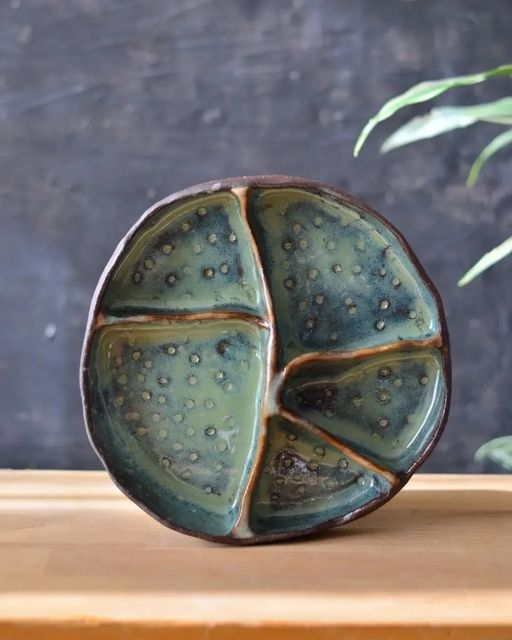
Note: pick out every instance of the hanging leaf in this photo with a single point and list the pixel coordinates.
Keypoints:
(500, 141)
(443, 119)
(486, 261)
(498, 450)
(421, 93)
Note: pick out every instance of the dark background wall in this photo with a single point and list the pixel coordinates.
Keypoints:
(109, 105)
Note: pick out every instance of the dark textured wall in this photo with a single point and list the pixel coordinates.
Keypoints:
(109, 105)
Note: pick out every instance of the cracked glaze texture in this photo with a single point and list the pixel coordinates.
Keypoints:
(264, 358)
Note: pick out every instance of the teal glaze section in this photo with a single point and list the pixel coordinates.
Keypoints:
(339, 279)
(386, 407)
(306, 482)
(176, 412)
(192, 255)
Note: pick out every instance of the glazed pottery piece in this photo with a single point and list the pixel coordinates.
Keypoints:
(264, 358)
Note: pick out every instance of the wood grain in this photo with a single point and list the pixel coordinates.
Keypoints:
(78, 560)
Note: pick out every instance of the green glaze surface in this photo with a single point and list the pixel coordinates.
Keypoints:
(177, 408)
(385, 406)
(338, 279)
(306, 481)
(264, 358)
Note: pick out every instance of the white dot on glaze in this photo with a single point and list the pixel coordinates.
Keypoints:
(296, 228)
(185, 226)
(397, 382)
(319, 299)
(212, 238)
(313, 274)
(197, 248)
(178, 417)
(382, 272)
(319, 451)
(122, 379)
(156, 417)
(177, 446)
(146, 395)
(318, 221)
(380, 325)
(348, 301)
(136, 355)
(412, 314)
(137, 277)
(310, 323)
(190, 404)
(384, 304)
(209, 404)
(357, 401)
(171, 350)
(287, 245)
(352, 310)
(192, 380)
(119, 400)
(149, 263)
(162, 399)
(383, 396)
(395, 282)
(423, 380)
(224, 268)
(303, 244)
(195, 358)
(343, 463)
(336, 268)
(201, 211)
(232, 237)
(171, 279)
(383, 423)
(208, 272)
(303, 305)
(191, 431)
(208, 489)
(167, 249)
(148, 364)
(289, 283)
(210, 431)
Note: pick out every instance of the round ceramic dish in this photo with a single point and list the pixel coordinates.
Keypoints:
(264, 358)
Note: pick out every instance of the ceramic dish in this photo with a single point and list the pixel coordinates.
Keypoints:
(264, 358)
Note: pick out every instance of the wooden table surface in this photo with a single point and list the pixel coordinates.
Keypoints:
(79, 560)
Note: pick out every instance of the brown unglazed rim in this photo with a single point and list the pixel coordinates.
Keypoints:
(239, 186)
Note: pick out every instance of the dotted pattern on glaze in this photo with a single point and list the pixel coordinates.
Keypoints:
(184, 399)
(306, 481)
(386, 406)
(178, 409)
(339, 281)
(189, 257)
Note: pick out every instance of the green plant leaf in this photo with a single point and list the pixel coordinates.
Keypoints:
(421, 93)
(498, 450)
(443, 119)
(500, 141)
(486, 261)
